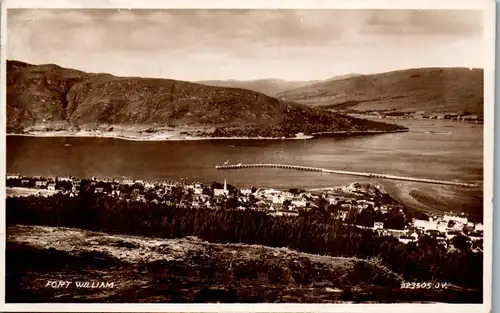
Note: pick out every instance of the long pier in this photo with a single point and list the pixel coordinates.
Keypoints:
(323, 170)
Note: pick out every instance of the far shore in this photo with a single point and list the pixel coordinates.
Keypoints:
(175, 136)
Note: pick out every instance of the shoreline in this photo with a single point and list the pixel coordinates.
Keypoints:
(150, 138)
(176, 137)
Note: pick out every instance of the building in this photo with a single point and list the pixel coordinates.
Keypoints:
(41, 183)
(221, 192)
(378, 225)
(331, 200)
(475, 237)
(442, 226)
(406, 239)
(198, 190)
(299, 203)
(278, 199)
(459, 219)
(280, 212)
(246, 192)
(51, 187)
(425, 225)
(478, 227)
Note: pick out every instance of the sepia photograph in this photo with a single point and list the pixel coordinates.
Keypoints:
(247, 155)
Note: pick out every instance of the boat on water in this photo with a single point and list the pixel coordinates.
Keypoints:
(436, 132)
(67, 145)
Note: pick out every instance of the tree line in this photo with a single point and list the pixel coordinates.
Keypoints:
(310, 232)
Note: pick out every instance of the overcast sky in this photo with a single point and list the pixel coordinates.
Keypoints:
(245, 44)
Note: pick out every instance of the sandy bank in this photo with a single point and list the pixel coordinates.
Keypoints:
(163, 136)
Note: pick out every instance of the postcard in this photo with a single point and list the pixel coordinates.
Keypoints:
(232, 156)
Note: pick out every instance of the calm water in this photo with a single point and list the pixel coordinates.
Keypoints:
(454, 156)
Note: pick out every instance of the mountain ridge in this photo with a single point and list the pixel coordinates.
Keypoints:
(433, 89)
(268, 86)
(50, 94)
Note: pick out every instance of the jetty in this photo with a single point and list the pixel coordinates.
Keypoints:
(340, 172)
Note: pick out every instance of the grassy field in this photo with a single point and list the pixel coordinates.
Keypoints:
(25, 192)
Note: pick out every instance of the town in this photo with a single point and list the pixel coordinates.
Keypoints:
(418, 115)
(365, 206)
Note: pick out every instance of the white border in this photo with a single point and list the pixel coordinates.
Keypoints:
(487, 6)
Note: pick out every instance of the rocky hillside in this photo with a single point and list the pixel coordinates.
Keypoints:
(49, 94)
(423, 89)
(270, 86)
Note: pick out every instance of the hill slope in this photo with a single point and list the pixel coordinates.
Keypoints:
(49, 94)
(423, 89)
(270, 87)
(143, 269)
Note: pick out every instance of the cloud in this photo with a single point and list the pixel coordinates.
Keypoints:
(262, 42)
(429, 22)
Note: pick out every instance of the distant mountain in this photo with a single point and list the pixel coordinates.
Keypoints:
(422, 89)
(38, 94)
(338, 77)
(269, 86)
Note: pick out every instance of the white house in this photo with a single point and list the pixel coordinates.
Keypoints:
(197, 188)
(342, 215)
(41, 183)
(331, 201)
(458, 226)
(246, 192)
(478, 227)
(442, 226)
(425, 225)
(460, 219)
(51, 187)
(278, 199)
(475, 238)
(378, 225)
(299, 203)
(198, 191)
(272, 192)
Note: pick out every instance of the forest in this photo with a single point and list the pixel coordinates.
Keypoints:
(311, 232)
